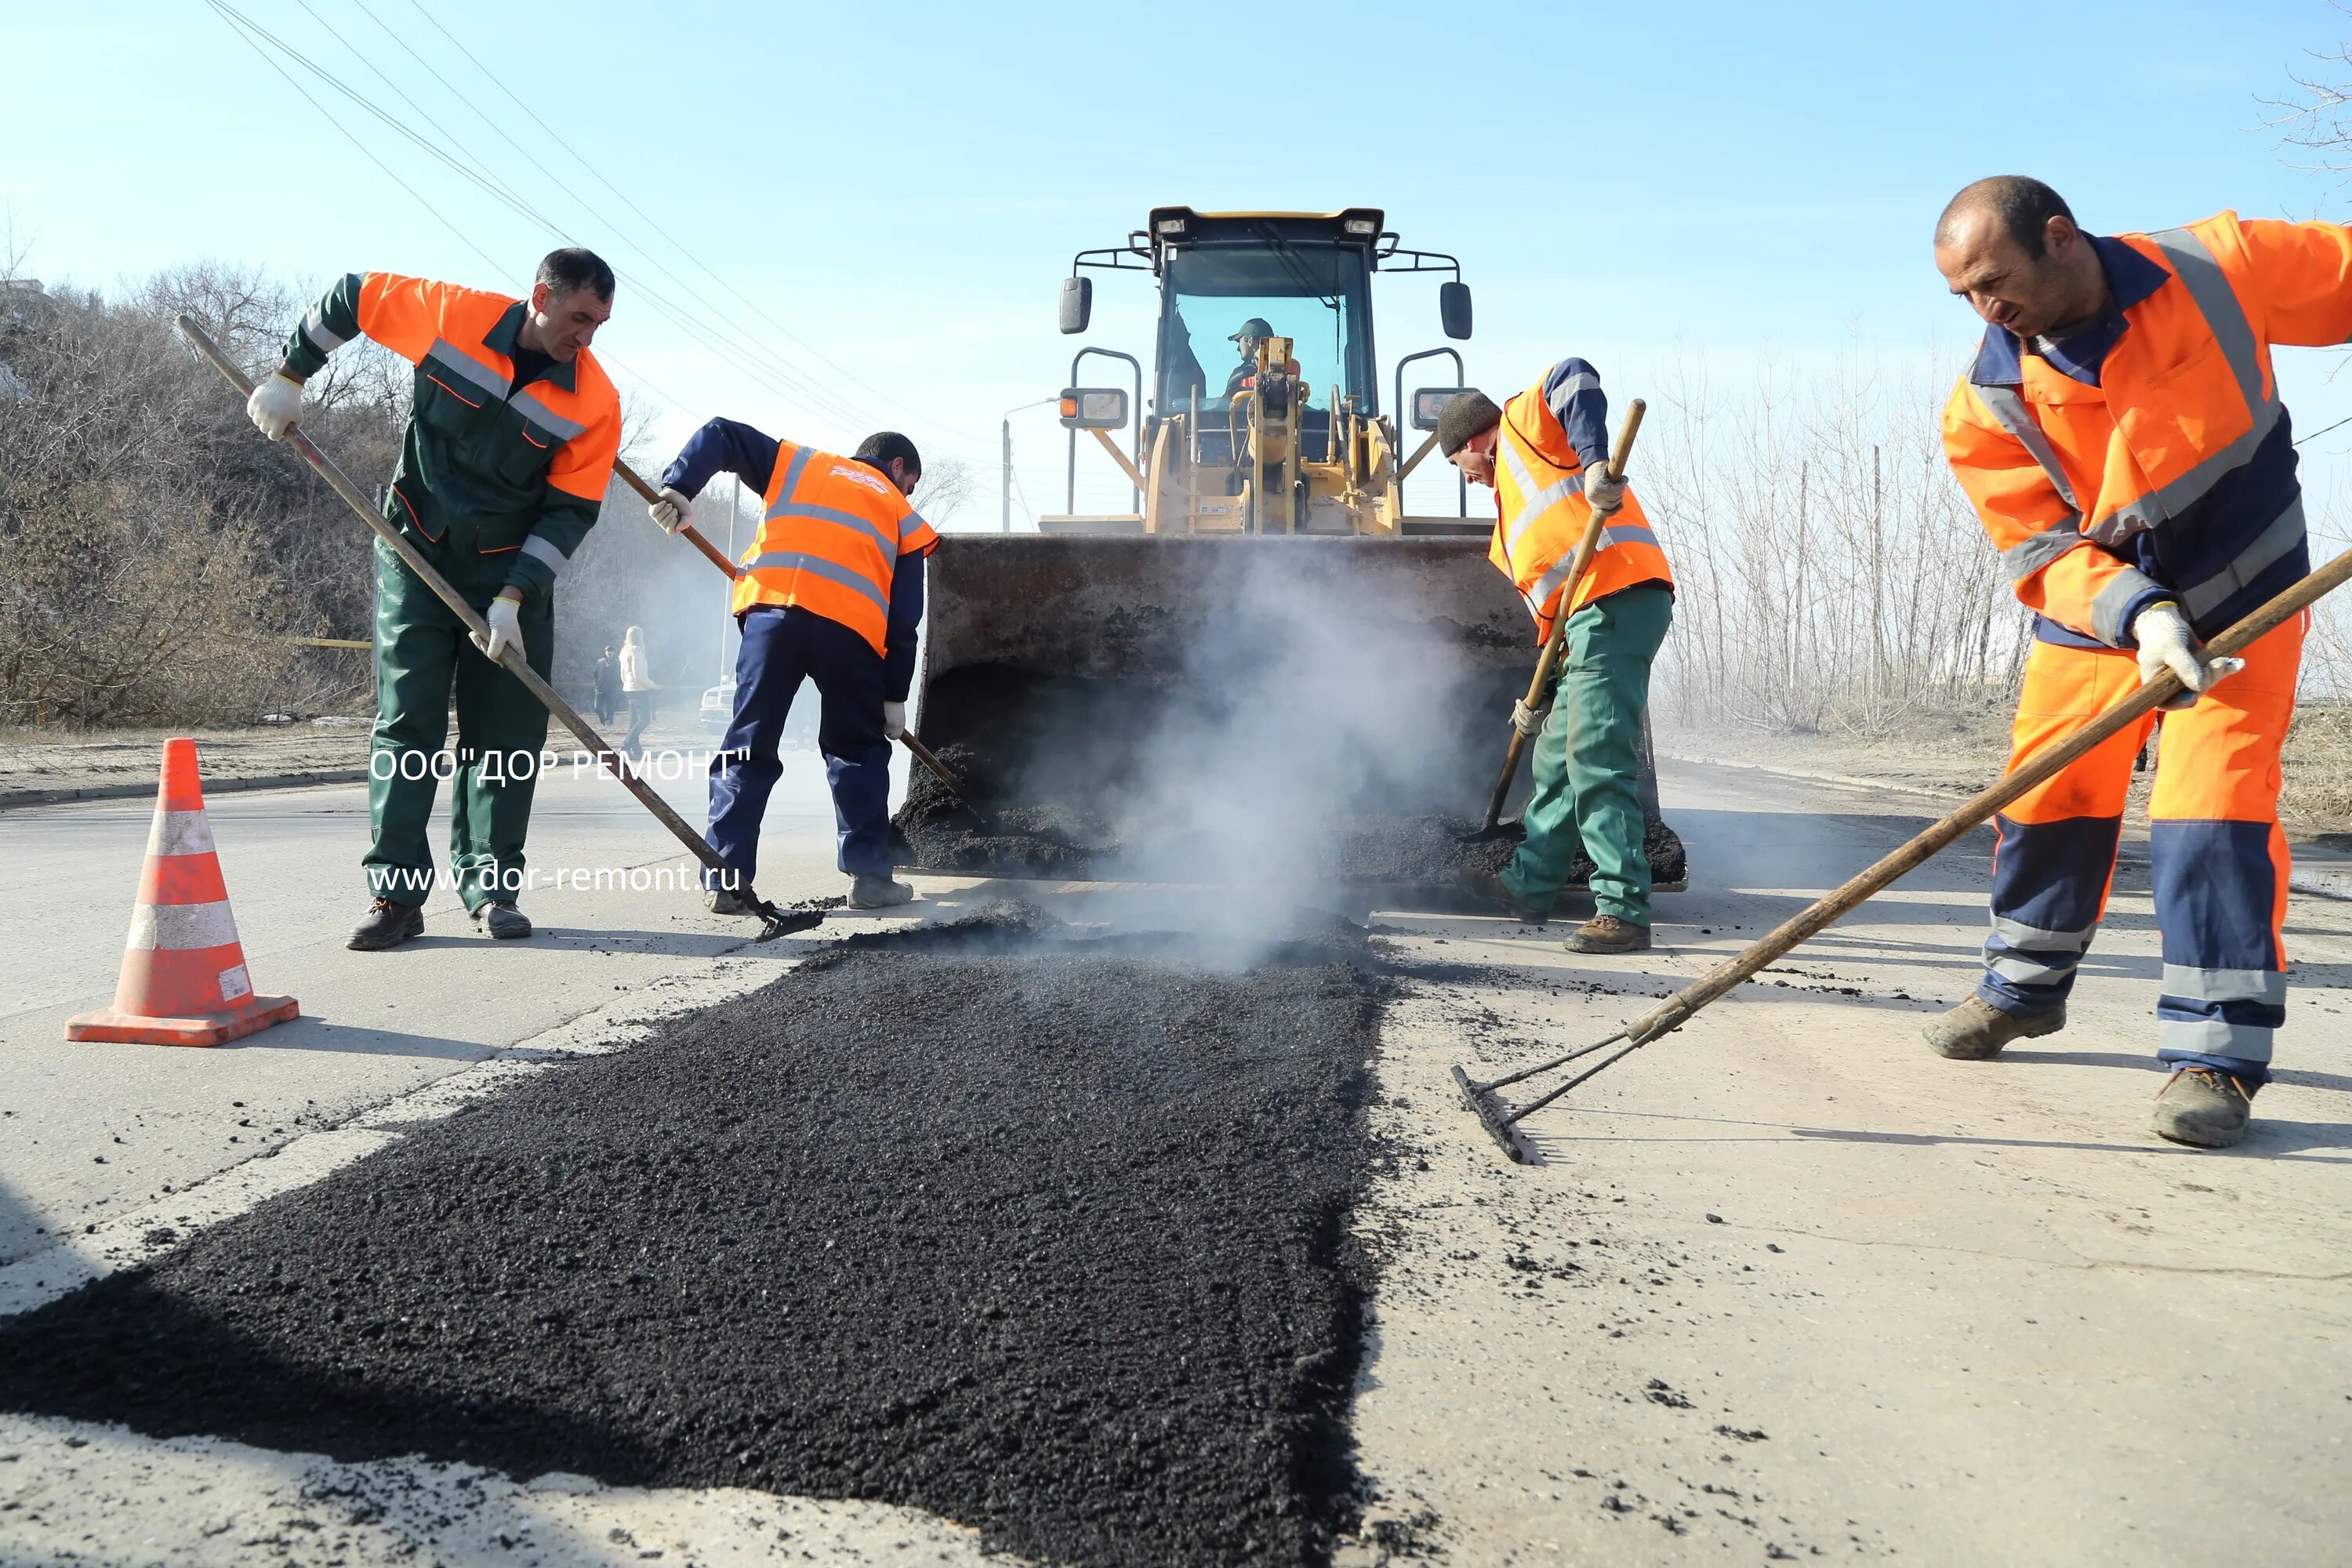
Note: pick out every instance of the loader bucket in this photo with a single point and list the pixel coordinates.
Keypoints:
(1307, 712)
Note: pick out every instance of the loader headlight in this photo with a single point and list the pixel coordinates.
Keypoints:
(1169, 227)
(1094, 407)
(1362, 226)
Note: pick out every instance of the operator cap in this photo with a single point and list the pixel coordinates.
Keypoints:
(1255, 327)
(1470, 415)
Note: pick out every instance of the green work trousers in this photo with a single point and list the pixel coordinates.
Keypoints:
(1587, 767)
(423, 654)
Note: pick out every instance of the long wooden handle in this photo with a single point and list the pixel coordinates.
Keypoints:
(1586, 547)
(939, 770)
(2045, 765)
(512, 659)
(637, 482)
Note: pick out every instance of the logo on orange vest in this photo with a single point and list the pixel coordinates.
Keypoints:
(858, 474)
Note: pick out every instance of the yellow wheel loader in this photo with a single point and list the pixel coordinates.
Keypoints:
(1267, 674)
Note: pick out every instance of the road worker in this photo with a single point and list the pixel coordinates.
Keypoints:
(834, 592)
(511, 442)
(1543, 455)
(2122, 438)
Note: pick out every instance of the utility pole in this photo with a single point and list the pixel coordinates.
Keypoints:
(1005, 484)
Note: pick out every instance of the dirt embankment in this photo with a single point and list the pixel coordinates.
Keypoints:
(35, 764)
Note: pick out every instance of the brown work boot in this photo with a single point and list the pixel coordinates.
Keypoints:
(1607, 934)
(1489, 888)
(1975, 1030)
(2204, 1106)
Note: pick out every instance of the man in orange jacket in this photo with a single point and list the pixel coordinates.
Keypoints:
(2122, 439)
(1543, 455)
(512, 435)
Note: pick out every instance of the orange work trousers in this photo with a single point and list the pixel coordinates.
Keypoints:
(2217, 857)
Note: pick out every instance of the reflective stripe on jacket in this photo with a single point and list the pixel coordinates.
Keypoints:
(1542, 515)
(2175, 475)
(831, 537)
(512, 476)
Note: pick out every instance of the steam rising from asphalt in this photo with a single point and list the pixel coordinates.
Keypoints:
(1308, 718)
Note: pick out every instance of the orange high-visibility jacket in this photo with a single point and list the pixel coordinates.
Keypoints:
(491, 477)
(1542, 515)
(2175, 477)
(833, 532)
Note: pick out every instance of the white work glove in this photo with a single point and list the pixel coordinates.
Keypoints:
(1606, 494)
(673, 512)
(2165, 643)
(505, 617)
(1526, 721)
(276, 405)
(894, 720)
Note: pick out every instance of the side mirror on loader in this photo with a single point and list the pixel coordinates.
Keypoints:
(1078, 304)
(1429, 403)
(1453, 309)
(1094, 408)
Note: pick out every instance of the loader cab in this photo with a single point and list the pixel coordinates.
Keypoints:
(1295, 277)
(1291, 438)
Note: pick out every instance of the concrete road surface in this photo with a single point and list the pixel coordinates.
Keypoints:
(1784, 1286)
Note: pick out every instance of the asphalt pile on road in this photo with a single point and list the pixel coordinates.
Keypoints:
(1043, 1234)
(1027, 831)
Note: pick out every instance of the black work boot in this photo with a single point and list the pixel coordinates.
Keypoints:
(1975, 1030)
(501, 919)
(878, 892)
(725, 901)
(2203, 1106)
(1607, 934)
(1489, 889)
(386, 924)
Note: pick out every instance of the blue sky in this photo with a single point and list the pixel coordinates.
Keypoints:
(901, 190)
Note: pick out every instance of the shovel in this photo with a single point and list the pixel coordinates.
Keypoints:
(775, 922)
(1502, 1122)
(1586, 547)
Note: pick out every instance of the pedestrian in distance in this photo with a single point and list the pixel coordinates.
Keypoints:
(1543, 454)
(608, 685)
(2121, 437)
(833, 591)
(510, 441)
(638, 685)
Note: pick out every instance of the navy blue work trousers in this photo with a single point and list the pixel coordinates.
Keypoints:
(780, 646)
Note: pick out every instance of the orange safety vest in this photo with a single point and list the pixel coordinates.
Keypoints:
(1542, 515)
(2175, 477)
(832, 534)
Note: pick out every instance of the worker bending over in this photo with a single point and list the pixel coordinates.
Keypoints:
(1543, 454)
(512, 435)
(2122, 438)
(833, 591)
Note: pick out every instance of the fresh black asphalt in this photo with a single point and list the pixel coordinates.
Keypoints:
(1044, 1235)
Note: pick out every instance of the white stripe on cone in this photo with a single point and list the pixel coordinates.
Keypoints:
(180, 833)
(172, 928)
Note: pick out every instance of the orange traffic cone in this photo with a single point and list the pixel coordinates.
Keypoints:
(184, 980)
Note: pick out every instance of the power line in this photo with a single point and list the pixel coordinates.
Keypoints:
(660, 228)
(498, 191)
(813, 393)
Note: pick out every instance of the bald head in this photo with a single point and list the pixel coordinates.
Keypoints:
(2019, 205)
(2008, 246)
